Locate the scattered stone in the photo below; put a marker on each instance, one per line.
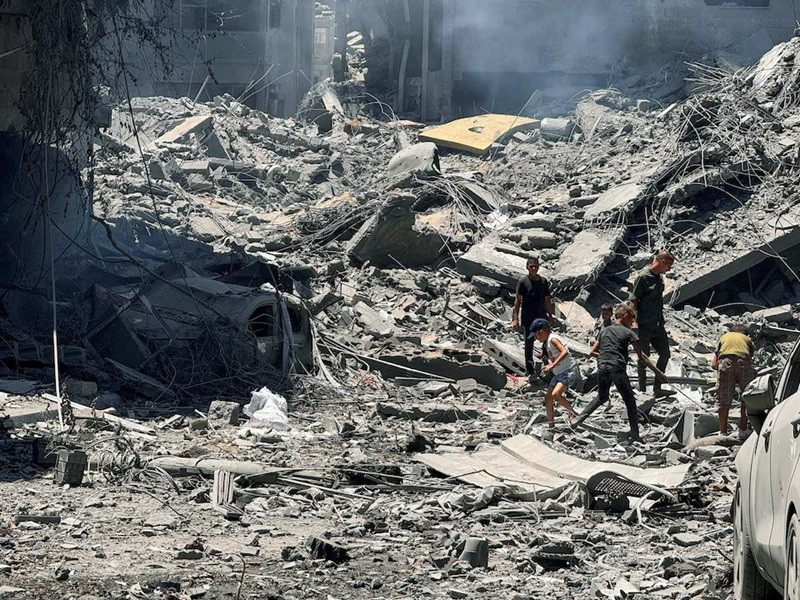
(224, 412)
(686, 540)
(323, 548)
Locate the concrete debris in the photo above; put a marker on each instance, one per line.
(420, 160)
(395, 238)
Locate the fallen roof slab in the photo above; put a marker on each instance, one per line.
(619, 200)
(536, 455)
(718, 267)
(526, 463)
(491, 467)
(477, 134)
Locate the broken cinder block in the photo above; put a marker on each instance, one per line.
(224, 412)
(320, 547)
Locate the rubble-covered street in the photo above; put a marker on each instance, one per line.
(285, 361)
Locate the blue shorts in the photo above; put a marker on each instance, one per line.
(567, 377)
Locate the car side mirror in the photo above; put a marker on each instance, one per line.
(759, 399)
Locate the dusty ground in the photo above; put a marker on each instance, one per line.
(124, 533)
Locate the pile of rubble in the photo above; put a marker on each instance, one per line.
(362, 269)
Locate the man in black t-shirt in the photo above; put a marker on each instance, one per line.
(533, 297)
(611, 349)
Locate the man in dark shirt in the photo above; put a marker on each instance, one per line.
(533, 297)
(611, 349)
(647, 299)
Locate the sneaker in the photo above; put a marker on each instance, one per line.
(663, 393)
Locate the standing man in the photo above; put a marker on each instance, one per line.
(733, 362)
(647, 299)
(533, 296)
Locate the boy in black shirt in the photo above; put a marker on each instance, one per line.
(611, 349)
(533, 297)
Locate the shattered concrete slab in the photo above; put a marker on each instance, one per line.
(492, 466)
(616, 203)
(486, 260)
(419, 159)
(393, 237)
(779, 235)
(525, 461)
(184, 129)
(471, 367)
(585, 258)
(537, 455)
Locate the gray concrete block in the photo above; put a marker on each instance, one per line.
(778, 314)
(585, 258)
(224, 412)
(486, 286)
(512, 357)
(373, 322)
(534, 221)
(484, 259)
(618, 200)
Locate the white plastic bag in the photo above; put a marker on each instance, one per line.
(265, 405)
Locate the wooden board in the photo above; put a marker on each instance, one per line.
(476, 134)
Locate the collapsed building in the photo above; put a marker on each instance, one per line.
(449, 58)
(260, 52)
(364, 265)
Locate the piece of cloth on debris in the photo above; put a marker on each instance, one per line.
(268, 407)
(472, 500)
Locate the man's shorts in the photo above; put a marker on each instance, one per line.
(732, 371)
(567, 377)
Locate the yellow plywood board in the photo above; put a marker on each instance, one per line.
(477, 134)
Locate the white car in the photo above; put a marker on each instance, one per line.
(766, 562)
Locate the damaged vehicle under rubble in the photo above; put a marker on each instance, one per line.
(200, 332)
(767, 498)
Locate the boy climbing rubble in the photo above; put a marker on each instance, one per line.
(733, 362)
(611, 349)
(560, 363)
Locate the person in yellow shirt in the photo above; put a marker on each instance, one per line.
(733, 362)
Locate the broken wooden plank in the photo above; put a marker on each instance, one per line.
(87, 412)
